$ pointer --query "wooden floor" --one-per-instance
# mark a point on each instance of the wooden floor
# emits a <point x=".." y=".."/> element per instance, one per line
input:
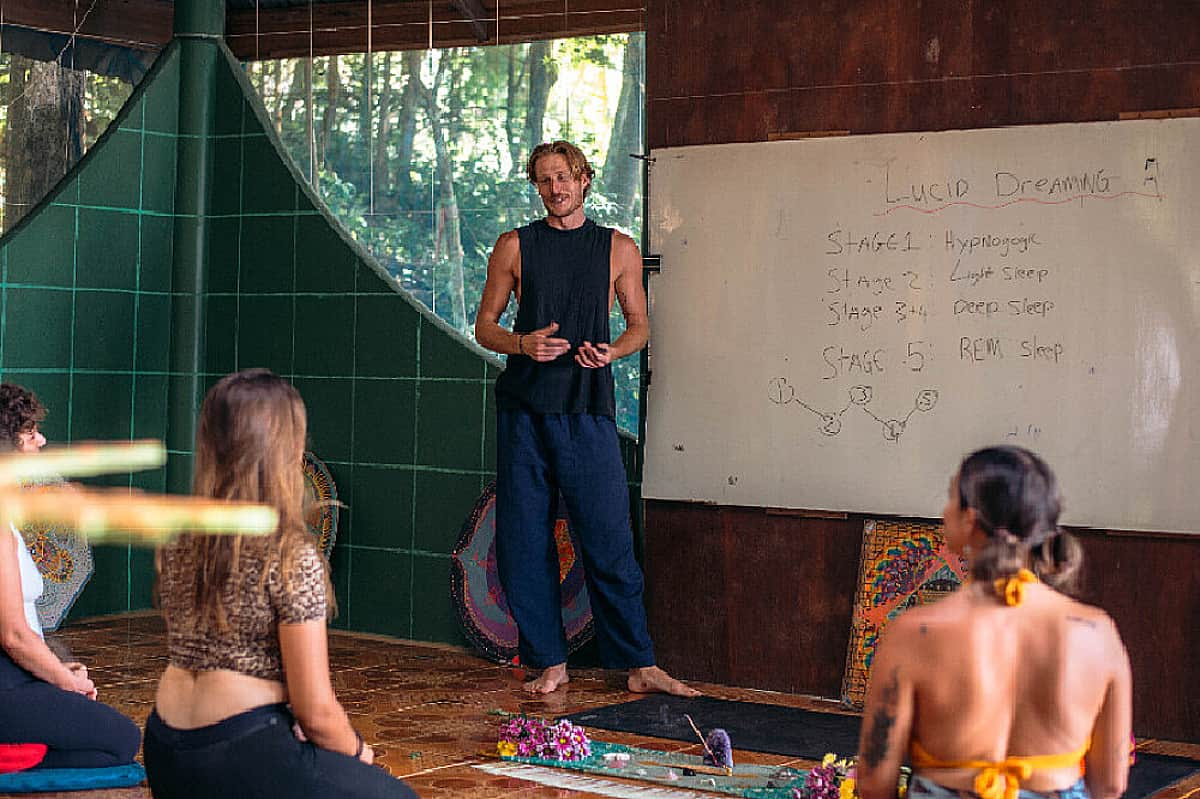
<point x="425" y="708"/>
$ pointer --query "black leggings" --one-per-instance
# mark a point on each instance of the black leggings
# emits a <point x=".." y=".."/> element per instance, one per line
<point x="255" y="754"/>
<point x="79" y="732"/>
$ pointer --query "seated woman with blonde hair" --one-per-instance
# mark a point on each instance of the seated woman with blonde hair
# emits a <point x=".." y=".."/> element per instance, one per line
<point x="1007" y="687"/>
<point x="245" y="707"/>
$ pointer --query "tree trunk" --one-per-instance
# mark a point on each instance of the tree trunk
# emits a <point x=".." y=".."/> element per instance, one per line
<point x="449" y="255"/>
<point x="410" y="100"/>
<point x="333" y="93"/>
<point x="543" y="72"/>
<point x="44" y="133"/>
<point x="310" y="126"/>
<point x="621" y="177"/>
<point x="383" y="130"/>
<point x="365" y="129"/>
<point x="512" y="125"/>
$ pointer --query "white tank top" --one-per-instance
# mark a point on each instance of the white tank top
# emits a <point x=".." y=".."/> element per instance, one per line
<point x="31" y="582"/>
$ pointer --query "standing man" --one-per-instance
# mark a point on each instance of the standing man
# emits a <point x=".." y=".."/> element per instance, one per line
<point x="556" y="428"/>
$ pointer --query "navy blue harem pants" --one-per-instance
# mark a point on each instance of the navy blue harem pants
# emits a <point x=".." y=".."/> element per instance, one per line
<point x="538" y="456"/>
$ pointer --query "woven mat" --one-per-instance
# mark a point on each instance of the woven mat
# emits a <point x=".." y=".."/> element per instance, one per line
<point x="651" y="765"/>
<point x="903" y="564"/>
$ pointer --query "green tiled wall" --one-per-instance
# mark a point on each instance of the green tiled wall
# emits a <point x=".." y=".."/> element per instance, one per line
<point x="85" y="305"/>
<point x="399" y="406"/>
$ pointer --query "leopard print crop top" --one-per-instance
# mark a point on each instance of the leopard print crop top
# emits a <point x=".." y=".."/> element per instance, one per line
<point x="254" y="609"/>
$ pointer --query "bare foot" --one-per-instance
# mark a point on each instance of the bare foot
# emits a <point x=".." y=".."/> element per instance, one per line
<point x="653" y="680"/>
<point x="549" y="680"/>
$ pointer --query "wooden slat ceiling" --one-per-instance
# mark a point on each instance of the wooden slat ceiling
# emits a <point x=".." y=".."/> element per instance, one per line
<point x="262" y="29"/>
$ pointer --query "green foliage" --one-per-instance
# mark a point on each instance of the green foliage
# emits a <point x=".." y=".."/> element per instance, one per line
<point x="398" y="124"/>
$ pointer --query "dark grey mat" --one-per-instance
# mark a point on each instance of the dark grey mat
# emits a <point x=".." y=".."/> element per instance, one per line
<point x="751" y="725"/>
<point x="780" y="730"/>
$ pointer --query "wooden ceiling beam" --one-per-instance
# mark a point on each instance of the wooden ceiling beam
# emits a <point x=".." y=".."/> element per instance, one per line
<point x="341" y="28"/>
<point x="141" y="24"/>
<point x="474" y="11"/>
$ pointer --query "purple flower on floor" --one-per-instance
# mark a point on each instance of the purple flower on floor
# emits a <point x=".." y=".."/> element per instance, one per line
<point x="722" y="750"/>
<point x="525" y="736"/>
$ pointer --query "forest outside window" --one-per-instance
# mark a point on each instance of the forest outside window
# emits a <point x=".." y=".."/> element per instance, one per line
<point x="421" y="154"/>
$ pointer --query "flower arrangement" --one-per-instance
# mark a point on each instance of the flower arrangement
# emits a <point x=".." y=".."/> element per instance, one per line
<point x="528" y="736"/>
<point x="833" y="779"/>
<point x="836" y="778"/>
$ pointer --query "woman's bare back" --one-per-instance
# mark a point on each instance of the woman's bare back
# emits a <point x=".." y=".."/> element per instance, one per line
<point x="991" y="681"/>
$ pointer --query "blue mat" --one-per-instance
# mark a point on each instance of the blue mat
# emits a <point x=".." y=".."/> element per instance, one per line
<point x="45" y="780"/>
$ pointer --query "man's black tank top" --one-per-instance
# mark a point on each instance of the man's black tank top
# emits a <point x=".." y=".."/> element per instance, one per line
<point x="565" y="279"/>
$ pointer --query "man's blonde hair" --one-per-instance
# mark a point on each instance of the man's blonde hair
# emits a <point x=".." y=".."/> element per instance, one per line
<point x="576" y="160"/>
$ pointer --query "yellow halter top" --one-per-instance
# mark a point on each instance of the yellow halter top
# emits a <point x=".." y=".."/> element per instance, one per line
<point x="1001" y="779"/>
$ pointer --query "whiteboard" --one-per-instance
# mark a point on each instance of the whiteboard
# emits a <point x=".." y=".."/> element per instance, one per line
<point x="838" y="321"/>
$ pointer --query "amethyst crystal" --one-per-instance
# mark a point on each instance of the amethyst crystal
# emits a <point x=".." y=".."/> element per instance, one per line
<point x="722" y="750"/>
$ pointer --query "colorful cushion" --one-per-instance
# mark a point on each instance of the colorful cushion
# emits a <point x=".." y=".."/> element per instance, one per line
<point x="18" y="757"/>
<point x="44" y="780"/>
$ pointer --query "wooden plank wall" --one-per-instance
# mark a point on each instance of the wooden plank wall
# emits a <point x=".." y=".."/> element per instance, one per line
<point x="747" y="597"/>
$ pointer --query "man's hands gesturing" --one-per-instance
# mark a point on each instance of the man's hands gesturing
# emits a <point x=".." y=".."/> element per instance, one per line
<point x="593" y="356"/>
<point x="540" y="346"/>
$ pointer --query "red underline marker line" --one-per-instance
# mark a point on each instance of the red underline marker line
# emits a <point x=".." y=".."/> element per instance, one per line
<point x="1022" y="200"/>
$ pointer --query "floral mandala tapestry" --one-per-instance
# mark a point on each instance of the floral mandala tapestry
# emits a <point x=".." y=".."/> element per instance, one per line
<point x="903" y="564"/>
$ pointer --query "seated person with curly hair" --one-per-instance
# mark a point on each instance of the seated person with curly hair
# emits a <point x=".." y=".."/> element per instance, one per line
<point x="43" y="700"/>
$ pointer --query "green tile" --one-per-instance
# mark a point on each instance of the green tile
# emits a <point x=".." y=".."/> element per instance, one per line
<point x="190" y="181"/>
<point x="380" y="599"/>
<point x="179" y="474"/>
<point x="103" y="330"/>
<point x="372" y="280"/>
<point x="111" y="174"/>
<point x="434" y="613"/>
<point x="489" y="429"/>
<point x="158" y="177"/>
<point x="220" y="334"/>
<point x="154" y="480"/>
<point x="329" y="402"/>
<point x="182" y="408"/>
<point x="43" y="251"/>
<point x="54" y="392"/>
<point x="266" y="259"/>
<point x="227" y="118"/>
<point x="385" y="343"/>
<point x="226" y="176"/>
<point x="150" y="406"/>
<point x="108" y="590"/>
<point x="381" y="513"/>
<point x="223" y="248"/>
<point x="339" y="573"/>
<point x="324" y="335"/>
<point x="130" y="117"/>
<point x="100" y="407"/>
<point x="444" y="355"/>
<point x="158" y="234"/>
<point x="162" y="94"/>
<point x="323" y="261"/>
<point x="141" y="578"/>
<point x="265" y="333"/>
<point x="37" y="329"/>
<point x="450" y="433"/>
<point x="106" y="252"/>
<point x="444" y="503"/>
<point x="153" y="332"/>
<point x="384" y="418"/>
<point x="269" y="187"/>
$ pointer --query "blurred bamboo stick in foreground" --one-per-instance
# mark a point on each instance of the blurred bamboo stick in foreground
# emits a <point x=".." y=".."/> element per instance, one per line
<point x="116" y="515"/>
